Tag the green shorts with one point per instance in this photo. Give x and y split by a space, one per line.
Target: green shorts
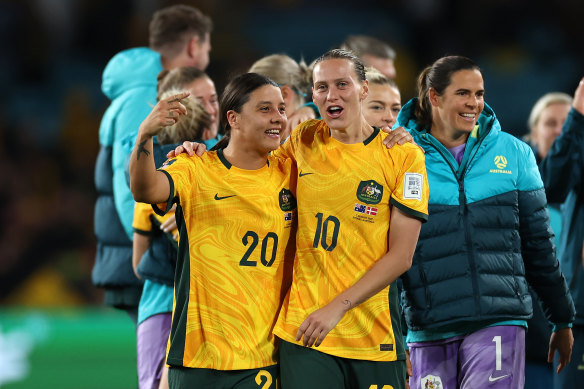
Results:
303 368
186 377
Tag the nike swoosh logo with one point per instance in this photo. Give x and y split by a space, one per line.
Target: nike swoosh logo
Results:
491 379
217 197
303 174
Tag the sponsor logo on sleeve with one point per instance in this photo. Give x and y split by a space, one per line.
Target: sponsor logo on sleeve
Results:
413 186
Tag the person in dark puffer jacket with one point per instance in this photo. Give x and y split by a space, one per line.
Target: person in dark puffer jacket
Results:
562 172
466 297
545 124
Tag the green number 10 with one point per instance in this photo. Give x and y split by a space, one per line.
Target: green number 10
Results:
322 230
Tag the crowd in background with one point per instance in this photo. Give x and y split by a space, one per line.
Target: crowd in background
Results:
57 51
50 115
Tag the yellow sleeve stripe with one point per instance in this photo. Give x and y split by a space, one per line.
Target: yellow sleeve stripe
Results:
412 212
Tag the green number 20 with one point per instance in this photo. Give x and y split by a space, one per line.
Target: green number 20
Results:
254 242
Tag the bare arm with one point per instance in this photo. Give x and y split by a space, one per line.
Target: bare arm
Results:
147 184
140 244
403 236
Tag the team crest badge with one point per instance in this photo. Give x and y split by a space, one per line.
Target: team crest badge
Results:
370 192
287 200
500 162
431 382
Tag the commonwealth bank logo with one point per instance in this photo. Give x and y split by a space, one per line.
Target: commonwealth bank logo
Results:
501 163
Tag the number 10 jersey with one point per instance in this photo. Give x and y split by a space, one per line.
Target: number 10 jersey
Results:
345 196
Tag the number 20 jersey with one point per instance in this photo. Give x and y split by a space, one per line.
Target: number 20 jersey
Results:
234 260
345 196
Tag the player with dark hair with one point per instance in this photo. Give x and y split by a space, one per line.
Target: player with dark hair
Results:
236 212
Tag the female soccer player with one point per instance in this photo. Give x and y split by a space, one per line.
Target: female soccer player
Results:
294 81
360 208
154 253
383 101
235 211
466 298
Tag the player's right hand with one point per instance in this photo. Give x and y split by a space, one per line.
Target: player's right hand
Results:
165 113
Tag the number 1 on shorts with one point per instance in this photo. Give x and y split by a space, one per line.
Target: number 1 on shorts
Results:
497 340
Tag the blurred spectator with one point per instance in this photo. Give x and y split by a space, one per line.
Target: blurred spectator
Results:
545 123
562 172
179 36
373 52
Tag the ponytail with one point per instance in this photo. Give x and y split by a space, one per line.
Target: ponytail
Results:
423 109
223 142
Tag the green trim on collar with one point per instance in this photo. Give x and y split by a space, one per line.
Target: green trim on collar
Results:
223 159
372 136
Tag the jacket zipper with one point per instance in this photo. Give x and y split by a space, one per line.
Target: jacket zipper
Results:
463 210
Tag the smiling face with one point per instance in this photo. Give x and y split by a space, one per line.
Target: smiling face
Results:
204 91
549 126
262 118
382 105
337 92
457 110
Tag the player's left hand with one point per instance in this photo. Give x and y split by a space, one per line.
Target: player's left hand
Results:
563 341
398 136
320 322
191 148
169 224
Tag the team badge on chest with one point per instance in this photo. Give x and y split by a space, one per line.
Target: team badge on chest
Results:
287 200
370 192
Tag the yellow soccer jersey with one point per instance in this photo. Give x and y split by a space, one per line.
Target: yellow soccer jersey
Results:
234 259
143 214
345 196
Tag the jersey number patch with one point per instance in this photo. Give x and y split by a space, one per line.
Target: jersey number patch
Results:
323 229
270 236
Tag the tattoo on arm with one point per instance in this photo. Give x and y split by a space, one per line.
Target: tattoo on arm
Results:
348 303
142 149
